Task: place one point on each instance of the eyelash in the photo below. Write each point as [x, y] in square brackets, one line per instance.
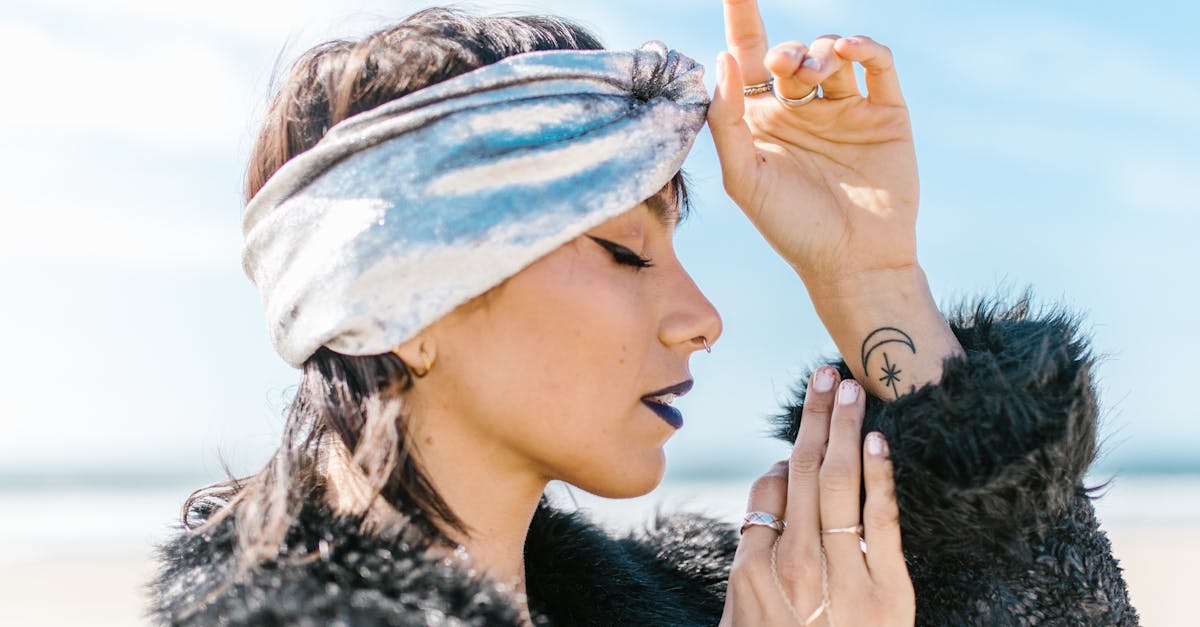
[623, 255]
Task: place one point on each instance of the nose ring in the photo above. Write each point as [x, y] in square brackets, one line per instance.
[704, 341]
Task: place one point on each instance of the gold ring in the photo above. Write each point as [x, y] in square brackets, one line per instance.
[759, 88]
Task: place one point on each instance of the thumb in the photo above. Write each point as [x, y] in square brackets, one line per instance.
[731, 135]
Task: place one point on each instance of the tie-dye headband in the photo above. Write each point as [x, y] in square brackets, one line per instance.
[404, 212]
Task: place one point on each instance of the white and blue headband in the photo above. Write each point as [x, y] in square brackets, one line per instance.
[402, 213]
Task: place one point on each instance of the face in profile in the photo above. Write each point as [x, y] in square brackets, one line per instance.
[564, 369]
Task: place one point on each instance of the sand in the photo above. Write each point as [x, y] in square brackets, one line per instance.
[56, 577]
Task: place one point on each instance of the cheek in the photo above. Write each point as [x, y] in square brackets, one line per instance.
[583, 328]
[552, 367]
[559, 349]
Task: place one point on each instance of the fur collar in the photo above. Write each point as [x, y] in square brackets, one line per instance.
[673, 572]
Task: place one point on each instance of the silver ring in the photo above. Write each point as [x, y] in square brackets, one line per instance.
[707, 348]
[762, 519]
[795, 102]
[856, 530]
[759, 88]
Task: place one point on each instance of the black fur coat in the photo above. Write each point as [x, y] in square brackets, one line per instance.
[997, 525]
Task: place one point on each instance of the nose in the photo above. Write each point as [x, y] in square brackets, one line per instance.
[689, 319]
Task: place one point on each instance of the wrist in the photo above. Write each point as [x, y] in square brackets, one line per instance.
[868, 288]
[887, 327]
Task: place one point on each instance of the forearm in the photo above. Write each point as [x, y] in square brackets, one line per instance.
[887, 328]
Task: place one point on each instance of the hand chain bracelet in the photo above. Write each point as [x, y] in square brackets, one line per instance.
[823, 608]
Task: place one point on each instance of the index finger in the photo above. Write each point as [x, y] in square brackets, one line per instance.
[746, 38]
[804, 466]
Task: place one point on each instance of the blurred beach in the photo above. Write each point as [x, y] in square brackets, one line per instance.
[82, 555]
[135, 341]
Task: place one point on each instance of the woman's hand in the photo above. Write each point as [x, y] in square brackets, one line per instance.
[831, 184]
[807, 575]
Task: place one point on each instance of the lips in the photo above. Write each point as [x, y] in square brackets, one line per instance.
[660, 402]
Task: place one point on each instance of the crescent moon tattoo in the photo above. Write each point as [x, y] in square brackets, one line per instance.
[876, 340]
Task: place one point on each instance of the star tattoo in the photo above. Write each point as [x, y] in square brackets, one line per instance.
[891, 374]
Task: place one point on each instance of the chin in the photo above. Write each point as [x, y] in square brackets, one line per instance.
[636, 478]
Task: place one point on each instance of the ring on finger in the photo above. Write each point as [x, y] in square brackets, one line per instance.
[856, 530]
[794, 103]
[762, 519]
[759, 88]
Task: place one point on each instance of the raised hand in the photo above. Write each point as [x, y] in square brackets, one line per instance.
[831, 184]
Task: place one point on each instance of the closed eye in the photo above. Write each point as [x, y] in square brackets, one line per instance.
[622, 255]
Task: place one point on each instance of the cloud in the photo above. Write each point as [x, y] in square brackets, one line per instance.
[274, 19]
[102, 235]
[1036, 61]
[166, 92]
[1137, 170]
[1157, 184]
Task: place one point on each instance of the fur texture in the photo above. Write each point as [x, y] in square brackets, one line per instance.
[997, 525]
[998, 529]
[671, 573]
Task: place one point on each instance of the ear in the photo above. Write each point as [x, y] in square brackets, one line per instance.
[418, 353]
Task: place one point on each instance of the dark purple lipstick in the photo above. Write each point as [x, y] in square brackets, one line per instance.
[660, 402]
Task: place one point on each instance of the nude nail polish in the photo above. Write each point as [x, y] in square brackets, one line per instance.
[823, 381]
[875, 443]
[848, 392]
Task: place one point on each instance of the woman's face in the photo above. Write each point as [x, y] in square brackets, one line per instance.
[552, 371]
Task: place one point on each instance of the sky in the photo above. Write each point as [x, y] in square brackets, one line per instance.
[1057, 147]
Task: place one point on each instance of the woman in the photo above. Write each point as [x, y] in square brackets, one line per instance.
[461, 228]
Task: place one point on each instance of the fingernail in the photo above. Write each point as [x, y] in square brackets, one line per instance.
[812, 63]
[848, 392]
[778, 469]
[720, 69]
[875, 443]
[823, 381]
[853, 40]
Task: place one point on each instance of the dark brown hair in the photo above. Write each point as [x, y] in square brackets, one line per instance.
[351, 406]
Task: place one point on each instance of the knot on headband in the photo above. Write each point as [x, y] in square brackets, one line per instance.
[406, 211]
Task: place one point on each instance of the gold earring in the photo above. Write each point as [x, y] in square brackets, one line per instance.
[428, 363]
